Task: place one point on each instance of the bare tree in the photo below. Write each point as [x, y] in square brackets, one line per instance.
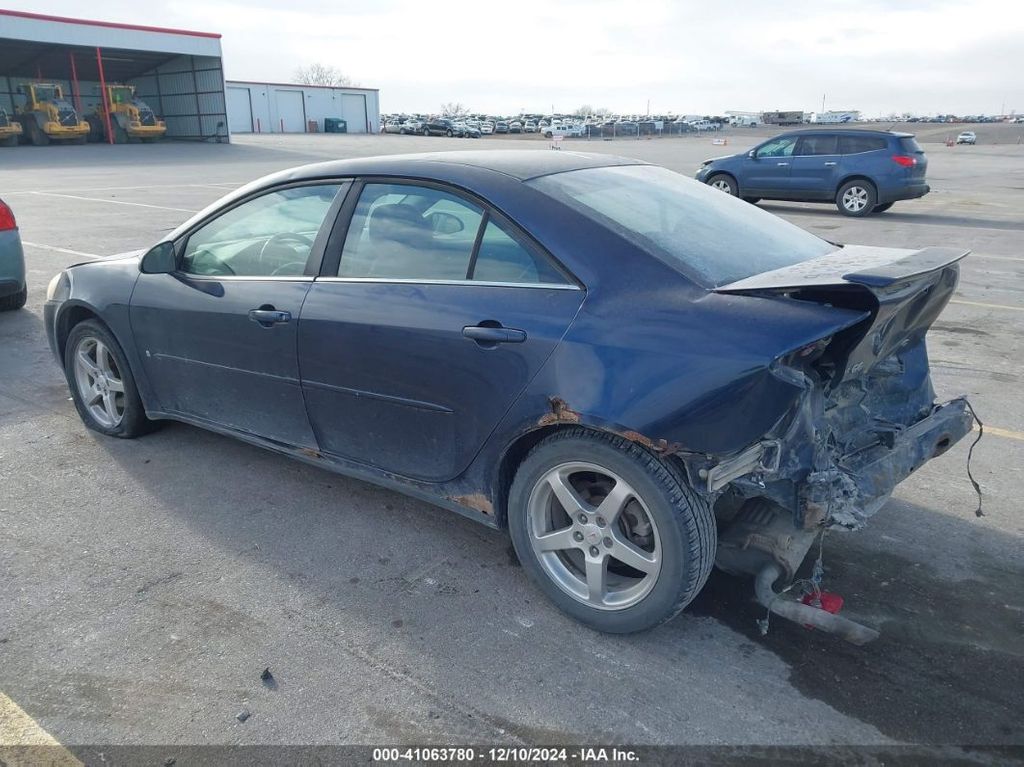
[587, 110]
[323, 74]
[454, 109]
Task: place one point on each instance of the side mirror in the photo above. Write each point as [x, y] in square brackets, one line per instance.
[752, 154]
[161, 259]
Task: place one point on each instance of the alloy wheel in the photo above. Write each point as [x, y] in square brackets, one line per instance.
[99, 382]
[593, 536]
[855, 199]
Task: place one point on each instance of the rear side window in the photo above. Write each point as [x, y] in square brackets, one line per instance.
[858, 144]
[909, 145]
[421, 233]
[711, 237]
[816, 145]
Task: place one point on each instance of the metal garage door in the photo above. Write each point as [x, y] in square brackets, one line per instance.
[353, 110]
[291, 115]
[239, 110]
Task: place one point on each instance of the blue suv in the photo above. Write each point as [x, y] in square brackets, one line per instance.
[861, 171]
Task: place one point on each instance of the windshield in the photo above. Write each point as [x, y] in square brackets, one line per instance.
[710, 236]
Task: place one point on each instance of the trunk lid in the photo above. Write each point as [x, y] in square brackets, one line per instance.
[903, 291]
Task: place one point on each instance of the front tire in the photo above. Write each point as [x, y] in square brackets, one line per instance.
[856, 198]
[724, 183]
[609, 532]
[102, 385]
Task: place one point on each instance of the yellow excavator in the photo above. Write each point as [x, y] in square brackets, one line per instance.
[47, 116]
[10, 130]
[131, 118]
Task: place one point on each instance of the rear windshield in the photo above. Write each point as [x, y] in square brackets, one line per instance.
[909, 144]
[708, 235]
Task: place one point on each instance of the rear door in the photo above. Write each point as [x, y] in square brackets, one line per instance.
[767, 173]
[814, 172]
[432, 314]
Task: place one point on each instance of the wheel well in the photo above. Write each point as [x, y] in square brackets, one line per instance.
[521, 447]
[514, 456]
[856, 177]
[725, 173]
[68, 319]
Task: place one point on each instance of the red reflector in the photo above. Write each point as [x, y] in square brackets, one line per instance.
[904, 160]
[823, 600]
[7, 218]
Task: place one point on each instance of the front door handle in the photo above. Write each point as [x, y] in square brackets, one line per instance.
[490, 335]
[829, 164]
[780, 164]
[268, 316]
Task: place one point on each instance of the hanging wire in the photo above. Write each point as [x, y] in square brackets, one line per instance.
[970, 453]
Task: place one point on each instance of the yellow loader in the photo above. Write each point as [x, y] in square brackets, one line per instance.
[131, 118]
[47, 116]
[10, 130]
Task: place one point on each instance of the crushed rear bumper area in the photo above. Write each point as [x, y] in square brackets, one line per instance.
[838, 494]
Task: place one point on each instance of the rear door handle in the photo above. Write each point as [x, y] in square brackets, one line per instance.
[487, 335]
[829, 164]
[268, 316]
[780, 164]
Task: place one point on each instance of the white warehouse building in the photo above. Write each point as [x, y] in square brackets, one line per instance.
[291, 108]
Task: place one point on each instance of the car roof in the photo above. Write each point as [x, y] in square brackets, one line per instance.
[522, 164]
[848, 132]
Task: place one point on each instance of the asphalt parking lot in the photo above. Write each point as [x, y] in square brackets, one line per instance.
[146, 584]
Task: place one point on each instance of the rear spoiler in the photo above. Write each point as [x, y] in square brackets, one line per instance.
[853, 264]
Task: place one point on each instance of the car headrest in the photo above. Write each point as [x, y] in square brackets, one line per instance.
[399, 223]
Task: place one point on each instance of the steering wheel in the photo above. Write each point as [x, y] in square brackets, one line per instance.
[284, 269]
[280, 239]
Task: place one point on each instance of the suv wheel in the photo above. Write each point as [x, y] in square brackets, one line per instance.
[856, 198]
[609, 532]
[882, 208]
[724, 183]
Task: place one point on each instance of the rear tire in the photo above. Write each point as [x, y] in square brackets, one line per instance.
[856, 198]
[14, 301]
[584, 561]
[883, 207]
[724, 183]
[101, 382]
[752, 200]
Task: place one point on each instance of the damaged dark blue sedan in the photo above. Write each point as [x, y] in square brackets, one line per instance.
[638, 376]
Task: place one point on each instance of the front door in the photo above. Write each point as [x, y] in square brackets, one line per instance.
[218, 336]
[439, 315]
[767, 173]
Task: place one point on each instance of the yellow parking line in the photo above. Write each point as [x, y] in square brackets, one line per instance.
[18, 730]
[995, 431]
[987, 306]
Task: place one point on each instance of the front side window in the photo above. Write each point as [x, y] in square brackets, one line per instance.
[269, 236]
[413, 232]
[712, 238]
[780, 147]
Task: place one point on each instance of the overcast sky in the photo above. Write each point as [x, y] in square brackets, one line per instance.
[500, 56]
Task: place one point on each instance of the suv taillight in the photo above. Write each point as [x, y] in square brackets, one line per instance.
[7, 218]
[905, 161]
